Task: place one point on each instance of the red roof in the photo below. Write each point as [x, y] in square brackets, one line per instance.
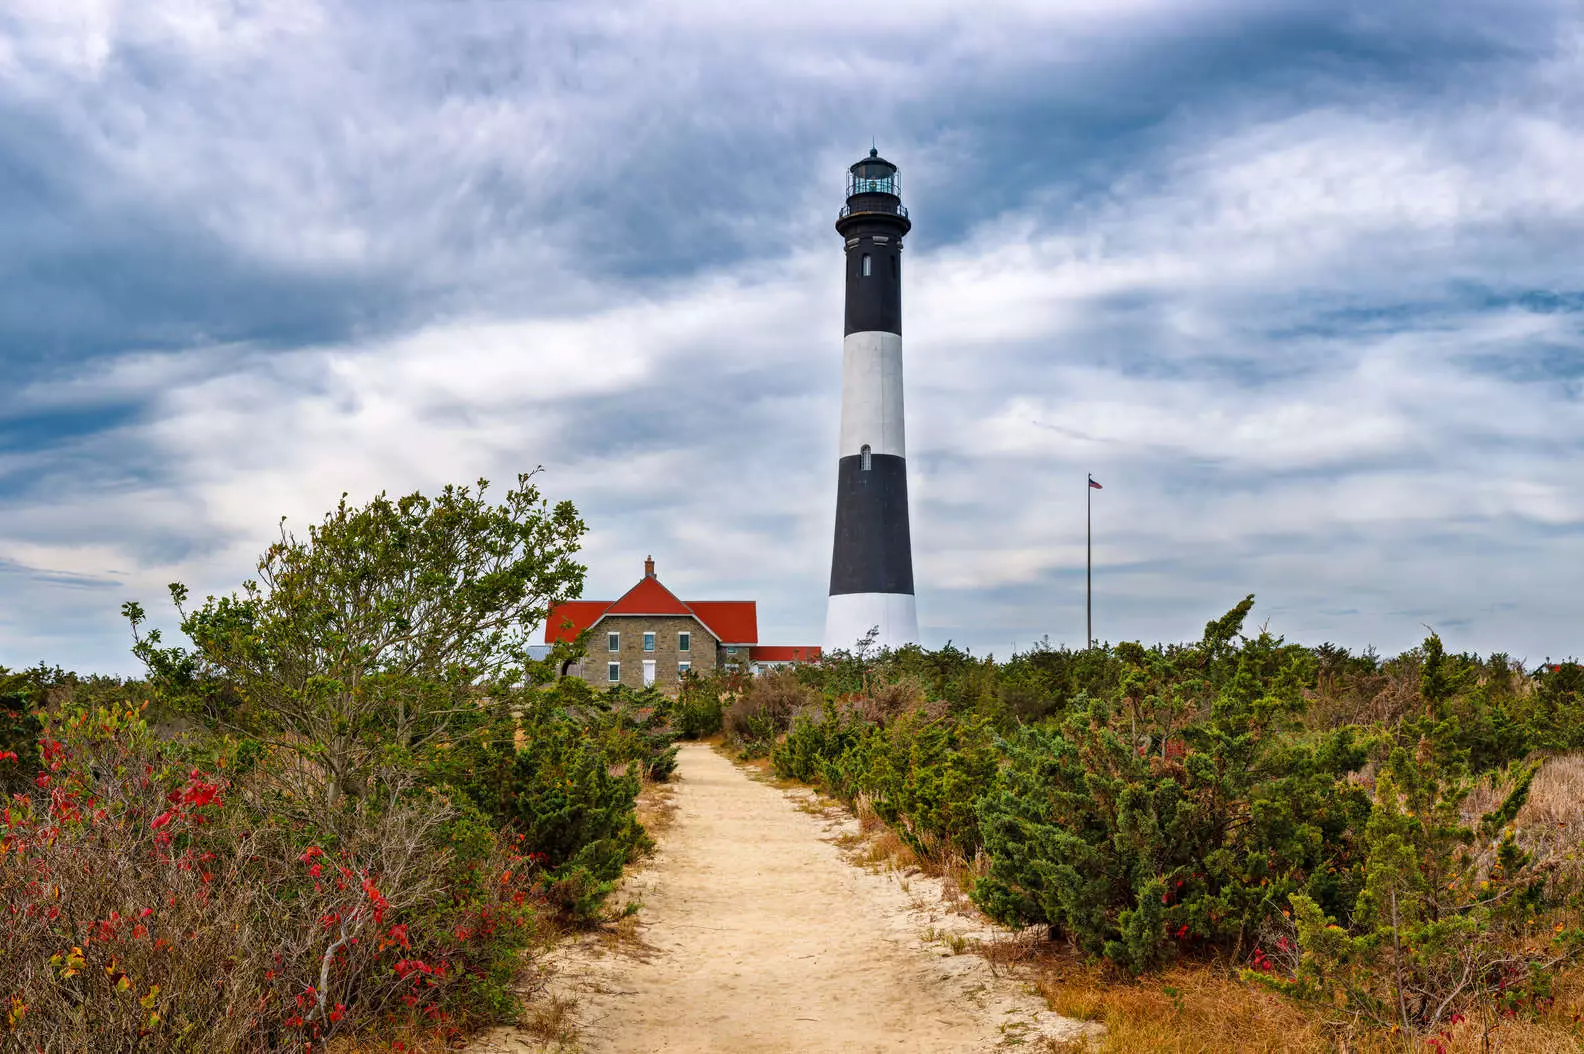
[566, 620]
[648, 597]
[731, 621]
[784, 653]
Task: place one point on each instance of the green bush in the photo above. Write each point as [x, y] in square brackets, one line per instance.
[634, 728]
[1133, 855]
[541, 766]
[575, 814]
[698, 710]
[921, 773]
[1448, 916]
[20, 696]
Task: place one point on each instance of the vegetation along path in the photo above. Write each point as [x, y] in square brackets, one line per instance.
[757, 935]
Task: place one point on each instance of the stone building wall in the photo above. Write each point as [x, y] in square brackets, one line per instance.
[702, 652]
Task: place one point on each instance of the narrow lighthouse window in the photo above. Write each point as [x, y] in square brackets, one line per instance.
[864, 453]
[866, 265]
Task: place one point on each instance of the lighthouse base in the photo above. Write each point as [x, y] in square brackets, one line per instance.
[850, 617]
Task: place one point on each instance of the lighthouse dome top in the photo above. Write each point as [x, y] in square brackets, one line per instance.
[873, 175]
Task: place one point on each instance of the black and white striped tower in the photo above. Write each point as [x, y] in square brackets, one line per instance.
[871, 585]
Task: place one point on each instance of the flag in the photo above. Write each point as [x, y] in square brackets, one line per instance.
[1095, 485]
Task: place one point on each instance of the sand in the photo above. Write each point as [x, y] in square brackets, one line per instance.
[757, 935]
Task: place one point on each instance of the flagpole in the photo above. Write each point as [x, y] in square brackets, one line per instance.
[1089, 563]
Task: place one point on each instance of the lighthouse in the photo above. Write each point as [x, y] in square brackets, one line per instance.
[871, 583]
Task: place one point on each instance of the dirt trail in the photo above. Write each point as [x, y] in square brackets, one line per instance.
[757, 936]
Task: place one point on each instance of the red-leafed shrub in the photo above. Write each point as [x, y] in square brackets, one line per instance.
[150, 904]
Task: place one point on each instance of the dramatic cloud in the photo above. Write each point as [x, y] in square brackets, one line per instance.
[1300, 286]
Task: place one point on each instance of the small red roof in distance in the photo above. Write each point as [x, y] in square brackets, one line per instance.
[567, 620]
[784, 653]
[648, 597]
[733, 621]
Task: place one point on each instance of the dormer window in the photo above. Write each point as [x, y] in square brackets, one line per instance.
[864, 457]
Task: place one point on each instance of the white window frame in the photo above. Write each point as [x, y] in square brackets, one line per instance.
[683, 667]
[866, 266]
[613, 672]
[649, 642]
[612, 641]
[685, 641]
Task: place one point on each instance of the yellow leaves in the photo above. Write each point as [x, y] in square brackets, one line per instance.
[18, 1011]
[69, 964]
[148, 1001]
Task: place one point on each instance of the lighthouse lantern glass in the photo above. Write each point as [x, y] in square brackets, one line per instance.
[874, 177]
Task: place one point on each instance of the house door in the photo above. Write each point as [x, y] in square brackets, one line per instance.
[648, 672]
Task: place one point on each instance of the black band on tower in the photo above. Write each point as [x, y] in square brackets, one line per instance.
[874, 300]
[873, 551]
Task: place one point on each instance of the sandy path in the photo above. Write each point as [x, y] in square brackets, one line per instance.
[757, 936]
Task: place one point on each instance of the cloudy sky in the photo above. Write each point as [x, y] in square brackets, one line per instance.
[1301, 283]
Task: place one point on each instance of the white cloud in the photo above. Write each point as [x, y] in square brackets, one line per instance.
[1258, 332]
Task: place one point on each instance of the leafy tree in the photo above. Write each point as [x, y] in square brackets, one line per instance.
[356, 646]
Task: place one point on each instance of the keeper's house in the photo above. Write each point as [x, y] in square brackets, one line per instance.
[649, 637]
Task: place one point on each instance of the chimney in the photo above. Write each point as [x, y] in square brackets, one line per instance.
[649, 567]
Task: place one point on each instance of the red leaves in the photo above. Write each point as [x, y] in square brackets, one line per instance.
[313, 852]
[8, 755]
[199, 793]
[396, 935]
[163, 819]
[377, 899]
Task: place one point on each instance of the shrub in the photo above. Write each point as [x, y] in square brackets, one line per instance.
[155, 906]
[766, 709]
[20, 695]
[922, 772]
[1447, 920]
[570, 808]
[697, 712]
[634, 728]
[1134, 856]
[542, 768]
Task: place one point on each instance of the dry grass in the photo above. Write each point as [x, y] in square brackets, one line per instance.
[656, 807]
[1208, 1010]
[1554, 814]
[552, 1019]
[1186, 1010]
